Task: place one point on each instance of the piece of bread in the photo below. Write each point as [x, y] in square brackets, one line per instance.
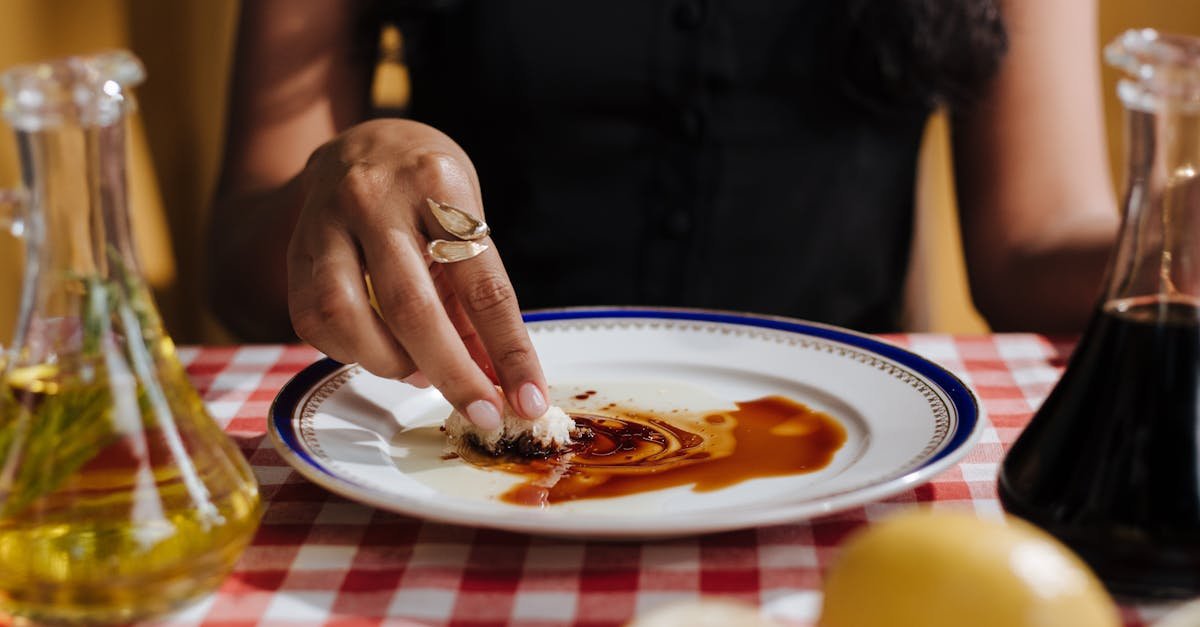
[543, 436]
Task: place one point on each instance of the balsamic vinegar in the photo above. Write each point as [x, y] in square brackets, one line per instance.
[1109, 463]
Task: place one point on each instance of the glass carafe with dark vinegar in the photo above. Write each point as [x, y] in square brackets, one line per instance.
[119, 495]
[1110, 463]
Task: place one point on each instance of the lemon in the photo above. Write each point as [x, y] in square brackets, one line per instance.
[935, 569]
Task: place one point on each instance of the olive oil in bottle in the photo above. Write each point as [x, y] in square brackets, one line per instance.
[120, 497]
[99, 521]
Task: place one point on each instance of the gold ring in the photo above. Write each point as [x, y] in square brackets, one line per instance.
[466, 227]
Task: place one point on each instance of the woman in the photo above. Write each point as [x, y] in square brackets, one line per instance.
[750, 154]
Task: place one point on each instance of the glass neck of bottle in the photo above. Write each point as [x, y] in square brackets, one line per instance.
[78, 218]
[1158, 254]
[81, 289]
[1157, 257]
[69, 116]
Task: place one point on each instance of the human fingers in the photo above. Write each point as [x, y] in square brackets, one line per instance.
[413, 313]
[489, 301]
[458, 317]
[329, 305]
[466, 332]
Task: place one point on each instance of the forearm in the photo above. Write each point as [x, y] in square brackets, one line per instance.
[1050, 285]
[1036, 206]
[300, 77]
[247, 268]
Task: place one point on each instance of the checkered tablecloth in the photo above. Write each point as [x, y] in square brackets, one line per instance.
[319, 559]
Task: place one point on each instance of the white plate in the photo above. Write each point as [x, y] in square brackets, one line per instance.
[376, 440]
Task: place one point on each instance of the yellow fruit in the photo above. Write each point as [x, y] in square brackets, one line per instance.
[935, 569]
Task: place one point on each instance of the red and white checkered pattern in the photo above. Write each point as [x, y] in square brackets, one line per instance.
[319, 559]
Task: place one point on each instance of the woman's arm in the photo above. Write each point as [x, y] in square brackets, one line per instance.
[298, 80]
[311, 201]
[1037, 211]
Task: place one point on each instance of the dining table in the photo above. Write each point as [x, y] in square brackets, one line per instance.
[320, 559]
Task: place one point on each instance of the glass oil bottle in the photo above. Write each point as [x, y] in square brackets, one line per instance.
[120, 497]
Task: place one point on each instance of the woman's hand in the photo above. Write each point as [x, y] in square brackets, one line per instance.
[454, 325]
[356, 207]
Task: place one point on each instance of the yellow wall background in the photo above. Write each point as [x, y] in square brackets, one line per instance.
[176, 141]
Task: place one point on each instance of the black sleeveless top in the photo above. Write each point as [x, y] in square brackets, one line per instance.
[698, 153]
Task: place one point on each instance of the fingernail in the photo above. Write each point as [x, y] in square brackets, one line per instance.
[531, 400]
[417, 380]
[484, 415]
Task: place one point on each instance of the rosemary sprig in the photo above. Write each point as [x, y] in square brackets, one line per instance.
[64, 432]
[51, 428]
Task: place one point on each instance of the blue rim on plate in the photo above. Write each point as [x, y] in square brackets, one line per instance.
[966, 428]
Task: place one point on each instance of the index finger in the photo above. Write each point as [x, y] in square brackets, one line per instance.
[490, 302]
[486, 295]
[410, 307]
